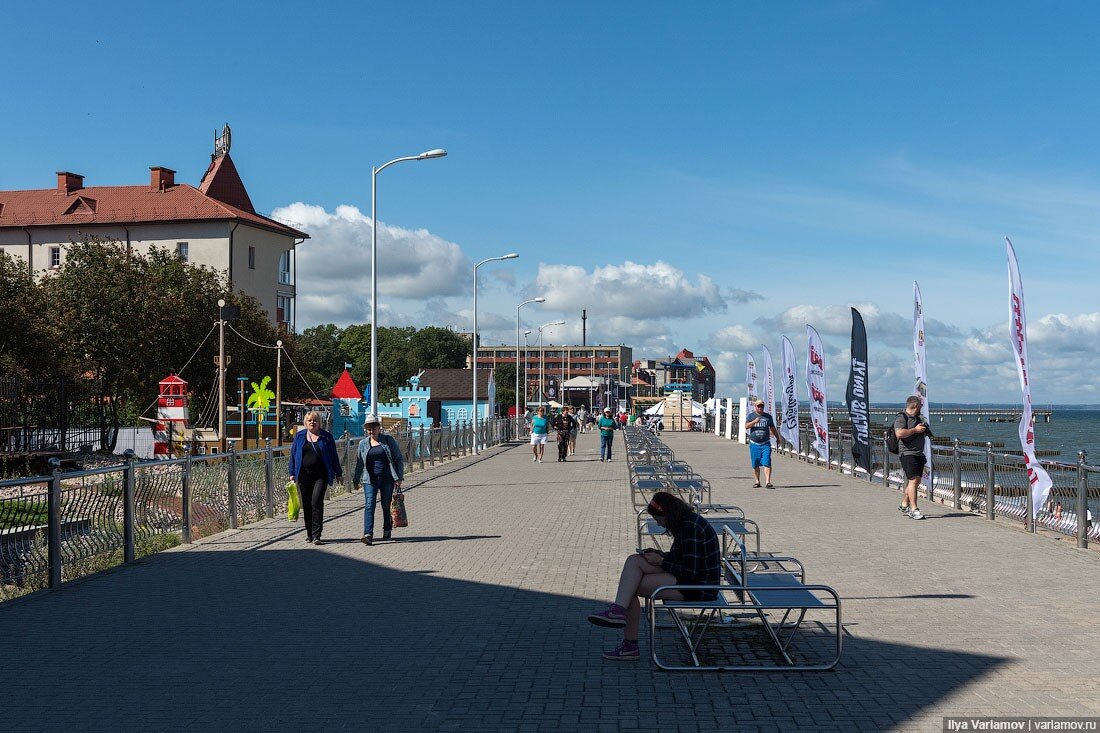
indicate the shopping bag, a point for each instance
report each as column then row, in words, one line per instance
column 293, row 501
column 397, row 510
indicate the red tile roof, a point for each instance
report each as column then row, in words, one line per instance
column 224, row 199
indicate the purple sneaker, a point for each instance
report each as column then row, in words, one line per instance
column 625, row 652
column 614, row 617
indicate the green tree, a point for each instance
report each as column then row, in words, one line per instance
column 123, row 322
column 24, row 341
column 438, row 348
column 505, row 377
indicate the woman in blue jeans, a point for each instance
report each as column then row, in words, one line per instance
column 607, row 426
column 379, row 457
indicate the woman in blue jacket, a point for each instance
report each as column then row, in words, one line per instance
column 314, row 465
column 379, row 457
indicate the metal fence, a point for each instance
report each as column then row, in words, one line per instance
column 981, row 481
column 69, row 524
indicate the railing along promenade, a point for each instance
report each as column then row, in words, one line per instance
column 985, row 482
column 69, row 524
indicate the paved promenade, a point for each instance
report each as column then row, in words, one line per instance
column 474, row 619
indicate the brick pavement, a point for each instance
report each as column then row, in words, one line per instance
column 474, row 618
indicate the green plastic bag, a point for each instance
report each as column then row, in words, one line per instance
column 293, row 501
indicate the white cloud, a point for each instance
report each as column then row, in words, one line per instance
column 734, row 337
column 333, row 267
column 836, row 320
column 656, row 291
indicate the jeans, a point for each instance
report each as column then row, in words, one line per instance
column 312, row 494
column 370, row 498
column 605, row 445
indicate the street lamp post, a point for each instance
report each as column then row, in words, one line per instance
column 526, row 302
column 526, row 377
column 436, row 153
column 542, row 357
column 509, row 256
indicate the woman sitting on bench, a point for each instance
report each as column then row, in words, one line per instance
column 693, row 559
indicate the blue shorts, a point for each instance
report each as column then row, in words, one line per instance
column 761, row 454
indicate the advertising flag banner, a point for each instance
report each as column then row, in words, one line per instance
column 1017, row 327
column 815, row 385
column 789, row 427
column 858, row 395
column 750, row 378
column 769, row 385
column 921, row 372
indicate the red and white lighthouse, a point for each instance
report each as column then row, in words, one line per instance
column 172, row 414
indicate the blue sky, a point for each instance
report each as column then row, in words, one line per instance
column 709, row 176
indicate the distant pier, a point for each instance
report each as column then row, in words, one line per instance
column 980, row 414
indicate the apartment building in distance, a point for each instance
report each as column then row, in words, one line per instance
column 684, row 372
column 214, row 224
column 575, row 375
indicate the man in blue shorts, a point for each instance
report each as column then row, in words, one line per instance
column 760, row 427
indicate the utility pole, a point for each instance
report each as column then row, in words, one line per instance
column 279, row 393
column 221, row 376
column 584, row 327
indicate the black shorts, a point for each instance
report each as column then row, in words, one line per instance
column 694, row 594
column 913, row 466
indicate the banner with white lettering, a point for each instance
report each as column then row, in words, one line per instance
column 1017, row 327
column 750, row 378
column 920, row 369
column 769, row 385
column 858, row 395
column 815, row 385
column 789, row 427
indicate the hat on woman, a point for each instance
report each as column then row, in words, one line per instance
column 372, row 419
column 607, row 409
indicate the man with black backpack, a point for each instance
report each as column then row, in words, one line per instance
column 912, row 432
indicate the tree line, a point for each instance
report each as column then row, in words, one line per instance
column 116, row 322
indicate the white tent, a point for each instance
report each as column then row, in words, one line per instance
column 697, row 409
column 581, row 383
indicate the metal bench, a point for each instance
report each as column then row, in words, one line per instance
column 760, row 586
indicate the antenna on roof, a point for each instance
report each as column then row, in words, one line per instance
column 222, row 142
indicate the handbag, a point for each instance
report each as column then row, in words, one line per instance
column 397, row 509
column 293, row 501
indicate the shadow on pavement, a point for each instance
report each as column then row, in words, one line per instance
column 309, row 639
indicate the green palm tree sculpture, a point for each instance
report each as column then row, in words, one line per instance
column 260, row 401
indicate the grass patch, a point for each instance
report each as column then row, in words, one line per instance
column 23, row 512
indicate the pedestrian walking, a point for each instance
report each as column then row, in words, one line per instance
column 564, row 424
column 912, row 433
column 540, row 432
column 582, row 419
column 607, row 425
column 573, row 433
column 314, row 466
column 761, row 428
column 379, row 460
column 693, row 559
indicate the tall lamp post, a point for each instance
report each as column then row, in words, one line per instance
column 436, row 153
column 542, row 357
column 526, row 302
column 526, row 378
column 509, row 256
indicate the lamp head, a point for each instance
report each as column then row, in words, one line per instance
column 510, row 256
column 436, row 153
column 540, row 300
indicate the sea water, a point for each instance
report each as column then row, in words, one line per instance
column 1071, row 429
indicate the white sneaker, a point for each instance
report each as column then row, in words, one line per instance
column 540, row 460
column 534, row 458
column 915, row 514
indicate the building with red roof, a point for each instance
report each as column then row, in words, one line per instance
column 214, row 224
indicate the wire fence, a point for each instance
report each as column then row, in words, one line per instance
column 69, row 524
column 985, row 482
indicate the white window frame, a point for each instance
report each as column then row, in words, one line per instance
column 183, row 251
column 55, row 257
